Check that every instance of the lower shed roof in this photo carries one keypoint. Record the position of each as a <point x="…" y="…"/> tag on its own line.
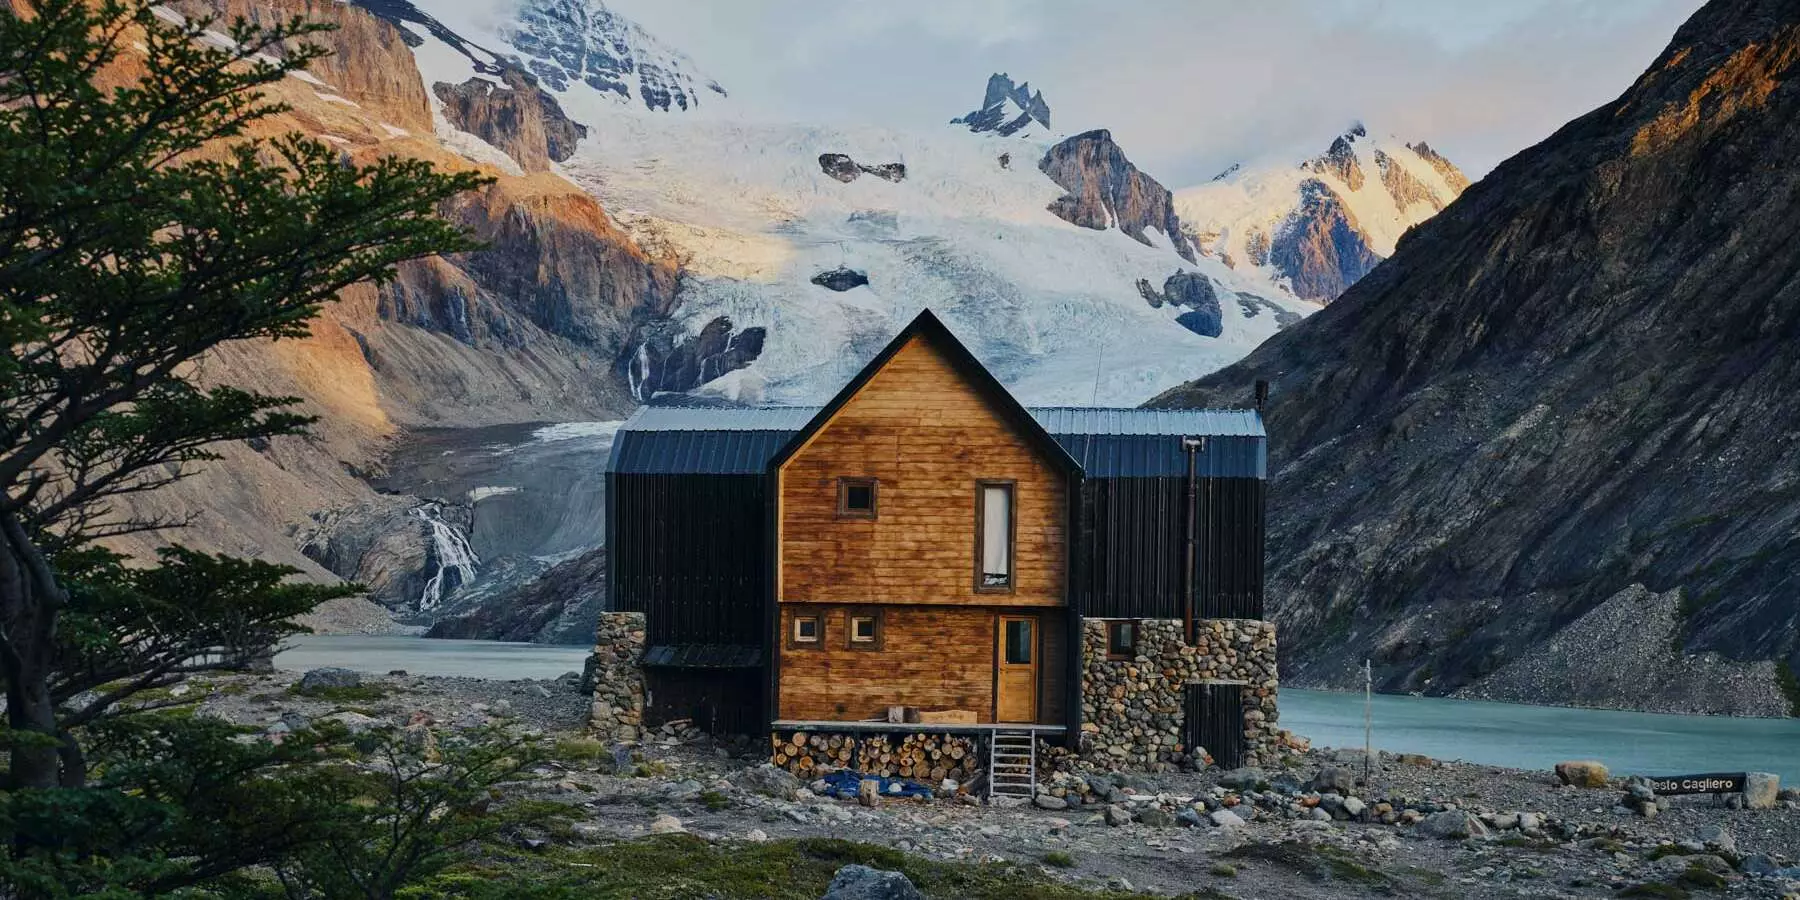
<point x="1106" y="442"/>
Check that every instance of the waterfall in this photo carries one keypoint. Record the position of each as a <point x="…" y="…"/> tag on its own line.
<point x="450" y="548"/>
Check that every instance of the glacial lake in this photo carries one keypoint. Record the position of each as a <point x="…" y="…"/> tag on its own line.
<point x="1501" y="734"/>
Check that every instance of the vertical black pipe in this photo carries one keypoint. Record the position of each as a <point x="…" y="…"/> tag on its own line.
<point x="1191" y="446"/>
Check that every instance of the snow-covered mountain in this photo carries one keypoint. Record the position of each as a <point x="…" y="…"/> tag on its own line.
<point x="589" y="57"/>
<point x="1008" y="109"/>
<point x="1314" y="229"/>
<point x="804" y="248"/>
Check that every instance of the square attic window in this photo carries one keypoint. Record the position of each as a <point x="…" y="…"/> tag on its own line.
<point x="856" y="498"/>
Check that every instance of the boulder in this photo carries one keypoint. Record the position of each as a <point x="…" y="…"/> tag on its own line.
<point x="854" y="882"/>
<point x="1241" y="779"/>
<point x="1451" y="824"/>
<point x="1189" y="817"/>
<point x="840" y="279"/>
<point x="769" y="780"/>
<point x="1049" y="801"/>
<point x="1155" y="816"/>
<point x="666" y="824"/>
<point x="839" y="166"/>
<point x="1333" y="780"/>
<point x="1225" y="818"/>
<point x="1761" y="790"/>
<point x="330" y="677"/>
<point x="1353" y="807"/>
<point x="1117" y="815"/>
<point x="1584" y="773"/>
<point x="1716" y="838"/>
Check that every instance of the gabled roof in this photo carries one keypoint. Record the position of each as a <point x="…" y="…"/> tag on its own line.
<point x="927" y="326"/>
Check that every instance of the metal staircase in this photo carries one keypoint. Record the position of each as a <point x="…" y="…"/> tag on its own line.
<point x="1012" y="764"/>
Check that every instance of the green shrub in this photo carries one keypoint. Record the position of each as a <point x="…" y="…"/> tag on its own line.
<point x="1060" y="859"/>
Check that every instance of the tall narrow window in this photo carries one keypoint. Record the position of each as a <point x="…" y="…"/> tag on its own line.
<point x="994" y="536"/>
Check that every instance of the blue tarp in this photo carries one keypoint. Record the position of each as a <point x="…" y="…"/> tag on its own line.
<point x="844" y="784"/>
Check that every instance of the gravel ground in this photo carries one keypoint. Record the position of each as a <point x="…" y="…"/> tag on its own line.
<point x="1587" y="848"/>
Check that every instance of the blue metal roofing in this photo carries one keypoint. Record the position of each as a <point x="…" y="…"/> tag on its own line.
<point x="1106" y="442"/>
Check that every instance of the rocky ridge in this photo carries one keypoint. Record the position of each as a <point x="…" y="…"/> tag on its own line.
<point x="1105" y="190"/>
<point x="1572" y="381"/>
<point x="1315" y="229"/>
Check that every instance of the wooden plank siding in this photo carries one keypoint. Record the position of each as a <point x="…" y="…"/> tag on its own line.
<point x="927" y="435"/>
<point x="931" y="657"/>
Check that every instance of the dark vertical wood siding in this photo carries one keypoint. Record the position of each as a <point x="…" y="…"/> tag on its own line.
<point x="1131" y="541"/>
<point x="688" y="551"/>
<point x="1215" y="720"/>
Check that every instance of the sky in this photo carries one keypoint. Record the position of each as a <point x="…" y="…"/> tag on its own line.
<point x="1187" y="87"/>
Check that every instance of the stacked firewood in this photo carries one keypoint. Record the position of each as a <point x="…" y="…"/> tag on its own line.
<point x="928" y="758"/>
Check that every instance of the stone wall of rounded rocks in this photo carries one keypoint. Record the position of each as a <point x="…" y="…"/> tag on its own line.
<point x="614" y="676"/>
<point x="1131" y="709"/>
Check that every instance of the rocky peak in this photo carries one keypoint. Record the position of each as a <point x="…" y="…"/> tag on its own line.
<point x="570" y="42"/>
<point x="1007" y="108"/>
<point x="1453" y="175"/>
<point x="1105" y="189"/>
<point x="1340" y="159"/>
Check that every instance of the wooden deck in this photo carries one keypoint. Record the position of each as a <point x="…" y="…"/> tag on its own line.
<point x="912" y="728"/>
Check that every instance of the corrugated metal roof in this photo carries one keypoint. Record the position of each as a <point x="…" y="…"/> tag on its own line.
<point x="703" y="656"/>
<point x="786" y="419"/>
<point x="1128" y="421"/>
<point x="1106" y="442"/>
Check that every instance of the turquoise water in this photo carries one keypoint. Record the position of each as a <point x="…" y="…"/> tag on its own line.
<point x="1538" y="737"/>
<point x="1500" y="734"/>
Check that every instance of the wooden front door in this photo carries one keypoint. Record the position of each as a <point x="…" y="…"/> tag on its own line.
<point x="1016" y="677"/>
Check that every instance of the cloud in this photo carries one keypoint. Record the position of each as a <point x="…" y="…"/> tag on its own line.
<point x="1187" y="86"/>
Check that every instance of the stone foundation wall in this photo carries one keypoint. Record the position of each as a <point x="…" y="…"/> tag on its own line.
<point x="1131" y="709"/>
<point x="614" y="676"/>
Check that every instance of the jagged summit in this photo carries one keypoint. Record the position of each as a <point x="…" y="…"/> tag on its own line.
<point x="591" y="58"/>
<point x="1007" y="109"/>
<point x="1315" y="228"/>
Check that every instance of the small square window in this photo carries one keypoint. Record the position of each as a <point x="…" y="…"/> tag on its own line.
<point x="856" y="498"/>
<point x="865" y="632"/>
<point x="806" y="629"/>
<point x="1121" y="640"/>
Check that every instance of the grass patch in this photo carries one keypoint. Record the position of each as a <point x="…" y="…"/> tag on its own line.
<point x="715" y="801"/>
<point x="580" y="750"/>
<point x="1060" y="859"/>
<point x="1223" y="870"/>
<point x="361" y="693"/>
<point x="1656" y="889"/>
<point x="1790" y="685"/>
<point x="678" y="866"/>
<point x="1701" y="878"/>
<point x="1319" y="863"/>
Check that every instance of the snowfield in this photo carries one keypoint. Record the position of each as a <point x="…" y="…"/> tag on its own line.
<point x="1052" y="308"/>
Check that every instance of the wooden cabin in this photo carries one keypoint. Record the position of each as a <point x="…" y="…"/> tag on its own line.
<point x="922" y="547"/>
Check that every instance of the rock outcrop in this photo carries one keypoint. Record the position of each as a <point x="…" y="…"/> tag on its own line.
<point x="845" y="169"/>
<point x="1575" y="379"/>
<point x="520" y="118"/>
<point x="1105" y="189"/>
<point x="1320" y="248"/>
<point x="1195" y="294"/>
<point x="560" y="607"/>
<point x="670" y="359"/>
<point x="1007" y="108"/>
<point x="840" y="279"/>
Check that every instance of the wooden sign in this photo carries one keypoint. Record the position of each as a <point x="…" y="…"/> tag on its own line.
<point x="1715" y="783"/>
